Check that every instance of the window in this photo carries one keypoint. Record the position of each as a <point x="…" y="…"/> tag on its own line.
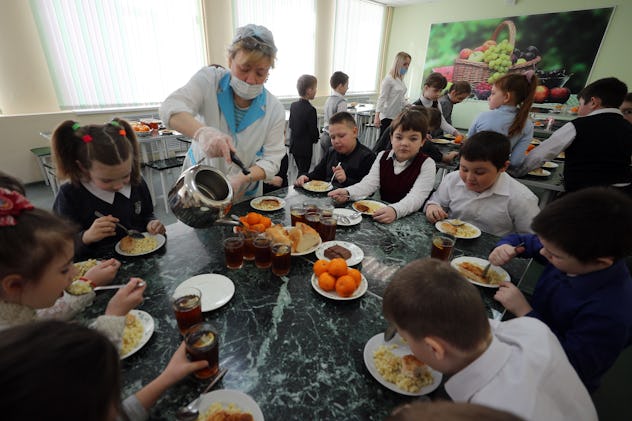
<point x="358" y="39"/>
<point x="119" y="53"/>
<point x="293" y="25"/>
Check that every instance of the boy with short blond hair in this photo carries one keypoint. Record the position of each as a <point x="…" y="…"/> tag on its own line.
<point x="303" y="123"/>
<point x="585" y="291"/>
<point x="516" y="366"/>
<point x="481" y="192"/>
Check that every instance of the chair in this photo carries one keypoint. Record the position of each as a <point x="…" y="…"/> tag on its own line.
<point x="42" y="154"/>
<point x="163" y="165"/>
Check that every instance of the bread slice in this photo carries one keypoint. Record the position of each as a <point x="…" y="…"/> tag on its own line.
<point x="303" y="237"/>
<point x="278" y="234"/>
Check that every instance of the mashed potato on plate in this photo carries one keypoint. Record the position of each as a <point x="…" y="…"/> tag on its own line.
<point x="132" y="334"/>
<point x="390" y="367"/>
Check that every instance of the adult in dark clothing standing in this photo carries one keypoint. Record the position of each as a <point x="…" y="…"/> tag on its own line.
<point x="303" y="123"/>
<point x="347" y="161"/>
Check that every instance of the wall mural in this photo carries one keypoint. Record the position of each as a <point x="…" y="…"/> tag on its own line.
<point x="560" y="47"/>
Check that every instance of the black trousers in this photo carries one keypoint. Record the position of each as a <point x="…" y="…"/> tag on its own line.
<point x="384" y="124"/>
<point x="303" y="163"/>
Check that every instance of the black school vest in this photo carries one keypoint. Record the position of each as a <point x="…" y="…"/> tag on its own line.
<point x="394" y="188"/>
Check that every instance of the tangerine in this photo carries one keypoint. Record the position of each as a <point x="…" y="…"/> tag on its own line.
<point x="458" y="139"/>
<point x="326" y="281"/>
<point x="356" y="275"/>
<point x="338" y="267"/>
<point x="320" y="266"/>
<point x="258" y="227"/>
<point x="267" y="222"/>
<point x="253" y="218"/>
<point x="345" y="286"/>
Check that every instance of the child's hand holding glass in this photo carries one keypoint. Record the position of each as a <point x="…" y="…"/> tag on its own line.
<point x="126" y="298"/>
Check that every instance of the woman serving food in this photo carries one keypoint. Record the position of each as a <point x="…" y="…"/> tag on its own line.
<point x="237" y="114"/>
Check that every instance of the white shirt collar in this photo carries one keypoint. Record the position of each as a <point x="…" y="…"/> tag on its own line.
<point x="106" y="196"/>
<point x="606" y="110"/>
<point x="501" y="186"/>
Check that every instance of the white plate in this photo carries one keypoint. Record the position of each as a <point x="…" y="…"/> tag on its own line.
<point x="359" y="292"/>
<point x="482" y="263"/>
<point x="160" y="241"/>
<point x="402" y="349"/>
<point x="449" y="136"/>
<point x="303" y="253"/>
<point x="539" y="172"/>
<point x="255" y="203"/>
<point x="439" y="226"/>
<point x="148" y="329"/>
<point x="226" y="396"/>
<point x="216" y="289"/>
<point x="311" y="186"/>
<point x="356" y="252"/>
<point x="535" y="141"/>
<point x="440" y="141"/>
<point x="347" y="212"/>
<point x="549" y="164"/>
<point x="370" y="203"/>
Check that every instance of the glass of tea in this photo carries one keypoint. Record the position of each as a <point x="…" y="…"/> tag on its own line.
<point x="442" y="245"/>
<point x="281" y="259"/>
<point x="202" y="343"/>
<point x="327" y="228"/>
<point x="313" y="219"/>
<point x="263" y="254"/>
<point x="326" y="210"/>
<point x="187" y="306"/>
<point x="297" y="214"/>
<point x="234" y="251"/>
<point x="249" y="247"/>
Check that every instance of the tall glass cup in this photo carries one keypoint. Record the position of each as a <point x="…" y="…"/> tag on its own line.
<point x="281" y="259"/>
<point x="187" y="306"/>
<point x="234" y="252"/>
<point x="202" y="343"/>
<point x="263" y="254"/>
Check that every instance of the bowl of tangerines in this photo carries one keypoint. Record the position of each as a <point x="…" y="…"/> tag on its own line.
<point x="334" y="279"/>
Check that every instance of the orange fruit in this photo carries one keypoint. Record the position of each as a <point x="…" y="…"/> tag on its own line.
<point x="267" y="222"/>
<point x="458" y="139"/>
<point x="345" y="286"/>
<point x="530" y="147"/>
<point x="320" y="267"/>
<point x="356" y="275"/>
<point x="337" y="267"/>
<point x="253" y="218"/>
<point x="258" y="227"/>
<point x="326" y="282"/>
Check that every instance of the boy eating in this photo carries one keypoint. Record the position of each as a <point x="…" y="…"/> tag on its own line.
<point x="481" y="192"/>
<point x="585" y="290"/>
<point x="404" y="175"/>
<point x="516" y="366"/>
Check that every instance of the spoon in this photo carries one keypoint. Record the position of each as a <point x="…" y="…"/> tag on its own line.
<point x="455" y="222"/>
<point x="347" y="219"/>
<point x="333" y="176"/>
<point x="104" y="287"/>
<point x="130" y="232"/>
<point x="192" y="410"/>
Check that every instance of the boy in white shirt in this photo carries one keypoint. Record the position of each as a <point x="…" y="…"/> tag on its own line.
<point x="517" y="366"/>
<point x="404" y="175"/>
<point x="481" y="192"/>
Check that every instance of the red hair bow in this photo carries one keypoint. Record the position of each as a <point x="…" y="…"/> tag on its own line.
<point x="12" y="204"/>
<point x="86" y="138"/>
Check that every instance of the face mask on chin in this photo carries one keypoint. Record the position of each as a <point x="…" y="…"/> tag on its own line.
<point x="244" y="89"/>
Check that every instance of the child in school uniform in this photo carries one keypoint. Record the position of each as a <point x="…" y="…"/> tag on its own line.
<point x="626" y="107"/>
<point x="585" y="291"/>
<point x="434" y="84"/>
<point x="481" y="192"/>
<point x="597" y="144"/>
<point x="516" y="366"/>
<point x="336" y="103"/>
<point x="510" y="103"/>
<point x="404" y="175"/>
<point x="103" y="165"/>
<point x="303" y="123"/>
<point x="456" y="94"/>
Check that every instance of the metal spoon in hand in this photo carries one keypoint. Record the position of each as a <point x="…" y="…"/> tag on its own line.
<point x="132" y="233"/>
<point x="192" y="410"/>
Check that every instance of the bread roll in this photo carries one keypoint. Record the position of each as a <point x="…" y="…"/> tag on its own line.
<point x="278" y="234"/>
<point x="303" y="237"/>
<point x="127" y="244"/>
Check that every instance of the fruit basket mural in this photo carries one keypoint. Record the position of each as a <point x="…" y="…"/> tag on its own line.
<point x="551" y="44"/>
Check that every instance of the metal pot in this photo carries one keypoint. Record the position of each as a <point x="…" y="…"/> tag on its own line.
<point x="202" y="197"/>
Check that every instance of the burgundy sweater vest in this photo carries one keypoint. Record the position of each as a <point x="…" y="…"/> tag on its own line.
<point x="394" y="188"/>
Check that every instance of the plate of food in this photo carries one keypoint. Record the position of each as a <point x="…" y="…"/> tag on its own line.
<point x="458" y="228"/>
<point x="129" y="246"/>
<point x="139" y="326"/>
<point x="267" y="203"/>
<point x="440" y="141"/>
<point x="216" y="289"/>
<point x="449" y="136"/>
<point x="318" y="186"/>
<point x="539" y="172"/>
<point x="367" y="207"/>
<point x="535" y="141"/>
<point x="353" y="217"/>
<point x="472" y="268"/>
<point x="332" y="294"/>
<point x="549" y="164"/>
<point x="302" y="238"/>
<point x="562" y="155"/>
<point x="228" y="404"/>
<point x="348" y="251"/>
<point x="393" y="365"/>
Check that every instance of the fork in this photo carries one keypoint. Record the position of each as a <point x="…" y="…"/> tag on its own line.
<point x="346" y="219"/>
<point x="132" y="233"/>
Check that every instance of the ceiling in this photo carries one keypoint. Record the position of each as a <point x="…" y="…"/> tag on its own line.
<point x="396" y="3"/>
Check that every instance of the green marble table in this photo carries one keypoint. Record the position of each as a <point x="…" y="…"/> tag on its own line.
<point x="298" y="354"/>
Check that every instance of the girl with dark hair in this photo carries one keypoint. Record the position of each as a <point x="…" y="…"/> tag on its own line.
<point x="103" y="165"/>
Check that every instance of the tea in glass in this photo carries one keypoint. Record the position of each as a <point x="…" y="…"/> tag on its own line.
<point x="326" y="210"/>
<point x="281" y="259"/>
<point x="202" y="343"/>
<point x="263" y="254"/>
<point x="313" y="219"/>
<point x="234" y="252"/>
<point x="187" y="306"/>
<point x="249" y="247"/>
<point x="297" y="214"/>
<point x="442" y="245"/>
<point x="327" y="228"/>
